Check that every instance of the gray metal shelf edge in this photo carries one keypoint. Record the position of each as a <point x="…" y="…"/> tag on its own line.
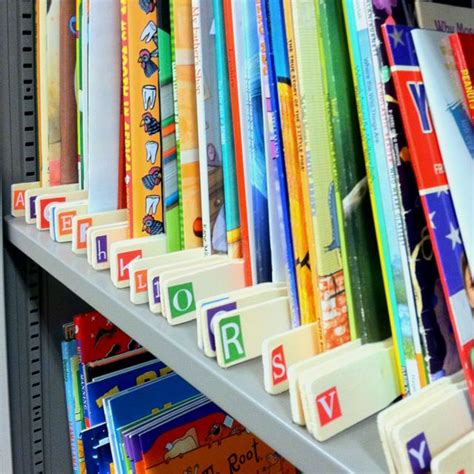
<point x="238" y="390"/>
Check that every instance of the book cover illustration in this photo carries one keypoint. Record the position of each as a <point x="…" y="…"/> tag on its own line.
<point x="250" y="96"/>
<point x="206" y="439"/>
<point x="168" y="125"/>
<point x="237" y="133"/>
<point x="186" y="124"/>
<point x="98" y="338"/>
<point x="138" y="402"/>
<point x="67" y="96"/>
<point x="98" y="456"/>
<point x="209" y="133"/>
<point x="441" y="355"/>
<point x="231" y="200"/>
<point x="142" y="115"/>
<point x="278" y="176"/>
<point x="427" y="338"/>
<point x="113" y="383"/>
<point x="334" y="320"/>
<point x="293" y="147"/>
<point x="463" y="52"/>
<point x="365" y="295"/>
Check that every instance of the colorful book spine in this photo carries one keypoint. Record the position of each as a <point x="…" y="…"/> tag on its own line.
<point x="231" y="200"/>
<point x="250" y="96"/>
<point x="362" y="273"/>
<point x="80" y="167"/>
<point x="332" y="298"/>
<point x="186" y="124"/>
<point x="143" y="146"/>
<point x="239" y="167"/>
<point x="274" y="127"/>
<point x="214" y="235"/>
<point x="463" y="52"/>
<point x="168" y="129"/>
<point x="293" y="144"/>
<point x="439" y="346"/>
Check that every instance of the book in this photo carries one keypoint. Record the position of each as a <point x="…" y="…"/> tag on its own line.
<point x="67" y="97"/>
<point x="142" y="115"/>
<point x="278" y="176"/>
<point x="444" y="16"/>
<point x="186" y="123"/>
<point x="214" y="234"/>
<point x="98" y="338"/>
<point x="97" y="453"/>
<point x="251" y="117"/>
<point x="367" y="307"/>
<point x="293" y="148"/>
<point x="455" y="137"/>
<point x="231" y="202"/>
<point x="427" y="164"/>
<point x="168" y="130"/>
<point x="463" y="47"/>
<point x="237" y="132"/>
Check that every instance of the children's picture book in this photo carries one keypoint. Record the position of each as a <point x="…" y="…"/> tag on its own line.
<point x="97" y="453"/>
<point x="463" y="51"/>
<point x="278" y="177"/>
<point x="231" y="200"/>
<point x="444" y="16"/>
<point x="186" y="124"/>
<point x="425" y="159"/>
<point x="98" y="338"/>
<point x="143" y="124"/>
<point x="168" y="126"/>
<point x="209" y="131"/>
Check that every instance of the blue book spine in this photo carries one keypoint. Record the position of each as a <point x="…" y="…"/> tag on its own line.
<point x="274" y="123"/>
<point x="68" y="350"/>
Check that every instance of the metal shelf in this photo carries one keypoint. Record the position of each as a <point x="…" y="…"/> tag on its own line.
<point x="238" y="390"/>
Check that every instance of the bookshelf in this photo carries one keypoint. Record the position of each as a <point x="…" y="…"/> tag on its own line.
<point x="238" y="390"/>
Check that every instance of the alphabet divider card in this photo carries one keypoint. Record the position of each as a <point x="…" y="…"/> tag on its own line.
<point x="138" y="270"/>
<point x="208" y="308"/>
<point x="18" y="197"/>
<point x="406" y="408"/>
<point x="43" y="204"/>
<point x="122" y="253"/>
<point x="179" y="294"/>
<point x="99" y="240"/>
<point x="283" y="350"/>
<point x="81" y="223"/>
<point x="31" y="195"/>
<point x="239" y="334"/>
<point x="185" y="265"/>
<point x="431" y="429"/>
<point x="459" y="457"/>
<point x="62" y="214"/>
<point x="296" y="369"/>
<point x="350" y="388"/>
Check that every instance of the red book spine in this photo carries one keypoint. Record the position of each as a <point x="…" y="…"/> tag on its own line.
<point x="239" y="164"/>
<point x="463" y="51"/>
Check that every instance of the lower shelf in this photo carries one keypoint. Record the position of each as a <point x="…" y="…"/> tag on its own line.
<point x="238" y="390"/>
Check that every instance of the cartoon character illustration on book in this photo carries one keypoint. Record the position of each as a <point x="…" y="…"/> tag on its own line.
<point x="145" y="59"/>
<point x="148" y="6"/>
<point x="152" y="178"/>
<point x="150" y="124"/>
<point x="152" y="151"/>
<point x="335" y="243"/>
<point x="151" y="225"/>
<point x="149" y="96"/>
<point x="149" y="32"/>
<point x="183" y="445"/>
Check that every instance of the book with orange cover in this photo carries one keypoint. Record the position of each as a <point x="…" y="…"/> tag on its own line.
<point x="141" y="101"/>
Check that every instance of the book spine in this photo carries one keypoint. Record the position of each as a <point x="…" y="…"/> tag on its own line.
<point x="231" y="200"/>
<point x="201" y="126"/>
<point x="465" y="70"/>
<point x="67" y="353"/>
<point x="80" y="168"/>
<point x="297" y="186"/>
<point x="396" y="230"/>
<point x="234" y="95"/>
<point x="274" y="125"/>
<point x="173" y="21"/>
<point x="84" y="403"/>
<point x="356" y="25"/>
